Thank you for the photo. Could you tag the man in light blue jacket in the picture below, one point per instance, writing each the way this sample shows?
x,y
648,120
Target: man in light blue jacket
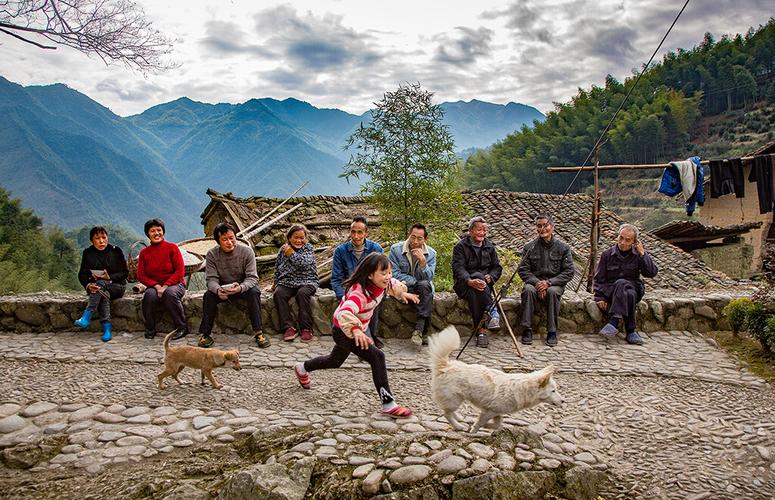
x,y
414,263
347,256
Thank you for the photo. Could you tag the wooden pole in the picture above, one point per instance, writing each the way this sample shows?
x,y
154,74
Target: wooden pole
x,y
261,219
645,166
595,232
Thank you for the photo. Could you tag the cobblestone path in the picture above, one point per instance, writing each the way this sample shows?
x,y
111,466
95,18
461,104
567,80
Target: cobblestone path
x,y
674,418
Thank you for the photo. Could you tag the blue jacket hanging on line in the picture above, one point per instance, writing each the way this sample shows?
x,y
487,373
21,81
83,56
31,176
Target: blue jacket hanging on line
x,y
671,183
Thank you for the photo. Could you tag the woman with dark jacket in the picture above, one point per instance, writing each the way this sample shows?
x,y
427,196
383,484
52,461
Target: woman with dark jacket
x,y
296,275
103,274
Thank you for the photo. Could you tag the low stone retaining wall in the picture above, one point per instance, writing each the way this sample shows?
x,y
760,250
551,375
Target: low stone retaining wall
x,y
47,312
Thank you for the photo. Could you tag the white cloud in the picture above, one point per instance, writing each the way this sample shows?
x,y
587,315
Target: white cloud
x,y
347,53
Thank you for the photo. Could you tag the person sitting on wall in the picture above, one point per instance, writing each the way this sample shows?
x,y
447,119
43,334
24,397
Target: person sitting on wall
x,y
296,274
161,269
230,272
546,267
618,286
475,269
347,256
103,274
414,263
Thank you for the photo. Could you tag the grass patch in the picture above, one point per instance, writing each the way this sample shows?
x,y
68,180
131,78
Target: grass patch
x,y
747,352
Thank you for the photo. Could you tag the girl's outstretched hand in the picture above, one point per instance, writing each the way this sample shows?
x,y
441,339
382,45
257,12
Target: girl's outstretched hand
x,y
361,339
410,297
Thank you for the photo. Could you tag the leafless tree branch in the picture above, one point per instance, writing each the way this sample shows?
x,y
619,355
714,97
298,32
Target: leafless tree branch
x,y
117,31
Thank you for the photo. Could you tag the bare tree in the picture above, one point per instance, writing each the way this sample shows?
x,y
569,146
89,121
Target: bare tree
x,y
115,30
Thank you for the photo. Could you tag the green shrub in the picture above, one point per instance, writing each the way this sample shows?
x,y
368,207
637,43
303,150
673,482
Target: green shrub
x,y
769,335
509,261
756,323
736,312
443,240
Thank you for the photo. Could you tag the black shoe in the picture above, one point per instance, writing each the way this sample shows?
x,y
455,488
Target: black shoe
x,y
482,341
527,336
149,334
378,343
205,341
180,333
551,339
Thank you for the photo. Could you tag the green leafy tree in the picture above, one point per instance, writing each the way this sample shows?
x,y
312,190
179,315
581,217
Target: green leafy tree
x,y
406,156
33,257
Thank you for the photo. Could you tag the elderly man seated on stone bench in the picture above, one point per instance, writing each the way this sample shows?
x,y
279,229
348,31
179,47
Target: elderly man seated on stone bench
x,y
618,285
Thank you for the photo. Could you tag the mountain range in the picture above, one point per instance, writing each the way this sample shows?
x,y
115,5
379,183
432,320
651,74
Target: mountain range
x,y
75,162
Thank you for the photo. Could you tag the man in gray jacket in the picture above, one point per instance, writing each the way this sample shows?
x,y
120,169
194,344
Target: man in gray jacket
x,y
231,274
546,267
414,263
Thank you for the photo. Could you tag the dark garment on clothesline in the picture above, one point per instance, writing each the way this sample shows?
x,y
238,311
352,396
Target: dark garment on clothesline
x,y
762,175
726,176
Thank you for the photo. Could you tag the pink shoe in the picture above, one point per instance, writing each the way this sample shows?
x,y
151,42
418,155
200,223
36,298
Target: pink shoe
x,y
306,335
304,380
290,334
399,411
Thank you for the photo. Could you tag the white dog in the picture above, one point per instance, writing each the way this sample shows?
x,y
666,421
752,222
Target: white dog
x,y
495,393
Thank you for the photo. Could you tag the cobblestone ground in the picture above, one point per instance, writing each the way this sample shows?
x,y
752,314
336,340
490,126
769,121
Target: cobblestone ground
x,y
674,418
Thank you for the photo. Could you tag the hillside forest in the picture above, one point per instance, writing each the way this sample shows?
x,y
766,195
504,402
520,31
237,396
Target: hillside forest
x,y
714,100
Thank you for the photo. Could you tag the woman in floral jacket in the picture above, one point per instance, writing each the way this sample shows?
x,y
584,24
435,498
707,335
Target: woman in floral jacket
x,y
296,275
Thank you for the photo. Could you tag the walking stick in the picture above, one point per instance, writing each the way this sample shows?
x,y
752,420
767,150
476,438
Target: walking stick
x,y
486,316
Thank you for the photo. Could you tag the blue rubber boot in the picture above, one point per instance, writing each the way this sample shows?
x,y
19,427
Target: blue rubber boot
x,y
107,331
84,321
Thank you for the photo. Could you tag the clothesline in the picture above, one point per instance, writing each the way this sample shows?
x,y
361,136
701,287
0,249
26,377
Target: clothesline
x,y
645,166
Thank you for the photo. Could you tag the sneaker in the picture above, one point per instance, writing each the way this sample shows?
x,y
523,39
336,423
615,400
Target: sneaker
x,y
424,339
306,335
205,341
398,411
289,334
634,339
261,340
304,379
527,336
149,334
551,339
417,337
180,333
609,330
481,340
495,320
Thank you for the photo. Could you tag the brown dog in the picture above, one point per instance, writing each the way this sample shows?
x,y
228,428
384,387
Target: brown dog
x,y
178,357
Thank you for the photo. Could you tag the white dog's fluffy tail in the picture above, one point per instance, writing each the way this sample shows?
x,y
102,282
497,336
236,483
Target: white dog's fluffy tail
x,y
440,345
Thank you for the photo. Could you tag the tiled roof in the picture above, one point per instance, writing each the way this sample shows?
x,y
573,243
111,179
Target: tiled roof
x,y
509,214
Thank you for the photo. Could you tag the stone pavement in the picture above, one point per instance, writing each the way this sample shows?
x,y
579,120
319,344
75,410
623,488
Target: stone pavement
x,y
674,418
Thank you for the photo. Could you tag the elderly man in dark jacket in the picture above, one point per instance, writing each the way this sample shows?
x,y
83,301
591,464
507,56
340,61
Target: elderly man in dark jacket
x,y
475,269
546,267
618,285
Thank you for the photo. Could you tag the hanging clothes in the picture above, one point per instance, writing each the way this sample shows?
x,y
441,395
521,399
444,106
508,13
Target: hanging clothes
x,y
726,177
685,177
698,196
762,175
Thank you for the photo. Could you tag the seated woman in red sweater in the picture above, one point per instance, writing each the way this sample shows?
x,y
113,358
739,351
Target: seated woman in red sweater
x,y
160,267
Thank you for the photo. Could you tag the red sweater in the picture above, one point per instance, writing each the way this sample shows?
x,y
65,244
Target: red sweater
x,y
160,264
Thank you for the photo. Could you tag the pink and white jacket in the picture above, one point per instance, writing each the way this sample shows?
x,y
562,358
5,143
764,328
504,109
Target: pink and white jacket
x,y
356,308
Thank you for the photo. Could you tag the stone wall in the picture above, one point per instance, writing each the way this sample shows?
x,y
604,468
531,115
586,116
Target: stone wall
x,y
659,311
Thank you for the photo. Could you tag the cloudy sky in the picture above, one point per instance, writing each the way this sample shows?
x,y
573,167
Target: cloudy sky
x,y
347,53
